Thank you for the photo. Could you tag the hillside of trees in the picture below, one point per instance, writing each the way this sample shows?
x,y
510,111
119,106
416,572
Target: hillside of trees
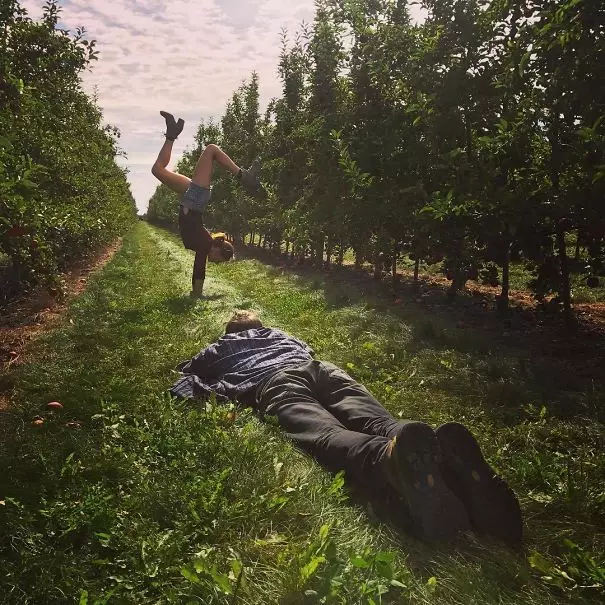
x,y
62,194
475,139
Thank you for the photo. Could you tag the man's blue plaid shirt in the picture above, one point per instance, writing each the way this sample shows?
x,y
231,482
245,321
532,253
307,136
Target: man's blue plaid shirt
x,y
238,363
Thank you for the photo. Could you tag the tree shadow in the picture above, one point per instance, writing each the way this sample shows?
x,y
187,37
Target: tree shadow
x,y
513,361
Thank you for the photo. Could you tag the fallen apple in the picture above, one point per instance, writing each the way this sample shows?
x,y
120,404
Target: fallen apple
x,y
54,405
16,231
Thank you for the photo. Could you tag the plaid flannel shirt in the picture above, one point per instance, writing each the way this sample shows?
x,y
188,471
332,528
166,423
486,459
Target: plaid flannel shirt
x,y
235,366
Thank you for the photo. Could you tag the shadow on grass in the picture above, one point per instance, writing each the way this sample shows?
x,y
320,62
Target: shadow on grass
x,y
509,365
184,304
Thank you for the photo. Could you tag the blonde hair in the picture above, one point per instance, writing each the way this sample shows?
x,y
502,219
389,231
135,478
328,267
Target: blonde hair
x,y
226,250
243,320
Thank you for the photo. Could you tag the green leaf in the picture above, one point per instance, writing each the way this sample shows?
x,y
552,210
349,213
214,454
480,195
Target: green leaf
x,y
84,597
540,562
324,531
337,484
359,562
236,566
387,556
200,566
190,575
222,581
384,569
308,570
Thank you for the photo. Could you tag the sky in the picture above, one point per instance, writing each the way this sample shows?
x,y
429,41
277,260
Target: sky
x,y
183,56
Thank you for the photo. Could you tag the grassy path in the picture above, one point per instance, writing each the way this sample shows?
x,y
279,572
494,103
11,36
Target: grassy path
x,y
146,500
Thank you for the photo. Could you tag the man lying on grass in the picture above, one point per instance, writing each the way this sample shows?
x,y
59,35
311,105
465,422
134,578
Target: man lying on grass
x,y
441,475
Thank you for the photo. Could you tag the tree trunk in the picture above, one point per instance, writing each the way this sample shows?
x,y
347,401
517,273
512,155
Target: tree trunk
x,y
287,252
341,255
329,246
555,172
394,265
377,266
565,291
319,251
358,256
416,268
502,301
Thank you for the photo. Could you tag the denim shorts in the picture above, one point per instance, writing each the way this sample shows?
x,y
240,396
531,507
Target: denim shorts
x,y
196,197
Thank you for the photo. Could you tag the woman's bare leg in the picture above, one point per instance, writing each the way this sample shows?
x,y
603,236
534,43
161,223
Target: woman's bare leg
x,y
177,182
202,175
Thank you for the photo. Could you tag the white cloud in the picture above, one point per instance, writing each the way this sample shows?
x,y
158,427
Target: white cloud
x,y
185,56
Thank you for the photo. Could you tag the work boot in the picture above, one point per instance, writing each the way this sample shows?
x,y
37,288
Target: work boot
x,y
173,129
197,288
250,178
491,505
412,467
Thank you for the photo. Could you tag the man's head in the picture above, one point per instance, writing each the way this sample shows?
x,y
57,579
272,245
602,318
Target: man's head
x,y
243,320
221,250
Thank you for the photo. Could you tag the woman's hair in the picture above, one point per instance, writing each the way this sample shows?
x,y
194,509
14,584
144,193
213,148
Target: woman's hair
x,y
243,320
224,247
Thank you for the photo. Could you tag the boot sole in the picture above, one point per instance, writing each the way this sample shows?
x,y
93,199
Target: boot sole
x,y
436,513
491,504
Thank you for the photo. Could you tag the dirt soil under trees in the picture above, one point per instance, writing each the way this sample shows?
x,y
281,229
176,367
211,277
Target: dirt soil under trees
x,y
536,332
24,318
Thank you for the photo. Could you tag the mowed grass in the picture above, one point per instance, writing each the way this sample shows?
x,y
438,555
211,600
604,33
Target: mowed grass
x,y
150,500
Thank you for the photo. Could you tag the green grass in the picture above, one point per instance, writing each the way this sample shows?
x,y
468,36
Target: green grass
x,y
152,500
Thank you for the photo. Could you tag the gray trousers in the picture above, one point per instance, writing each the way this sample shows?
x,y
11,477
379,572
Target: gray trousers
x,y
332,417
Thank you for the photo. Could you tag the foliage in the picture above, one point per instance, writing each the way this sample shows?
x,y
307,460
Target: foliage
x,y
478,135
61,192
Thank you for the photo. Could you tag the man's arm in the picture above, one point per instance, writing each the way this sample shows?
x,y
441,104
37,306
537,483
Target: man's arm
x,y
303,345
200,365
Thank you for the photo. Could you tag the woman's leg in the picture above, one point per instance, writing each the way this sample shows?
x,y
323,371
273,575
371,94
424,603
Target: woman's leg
x,y
248,177
177,182
202,175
